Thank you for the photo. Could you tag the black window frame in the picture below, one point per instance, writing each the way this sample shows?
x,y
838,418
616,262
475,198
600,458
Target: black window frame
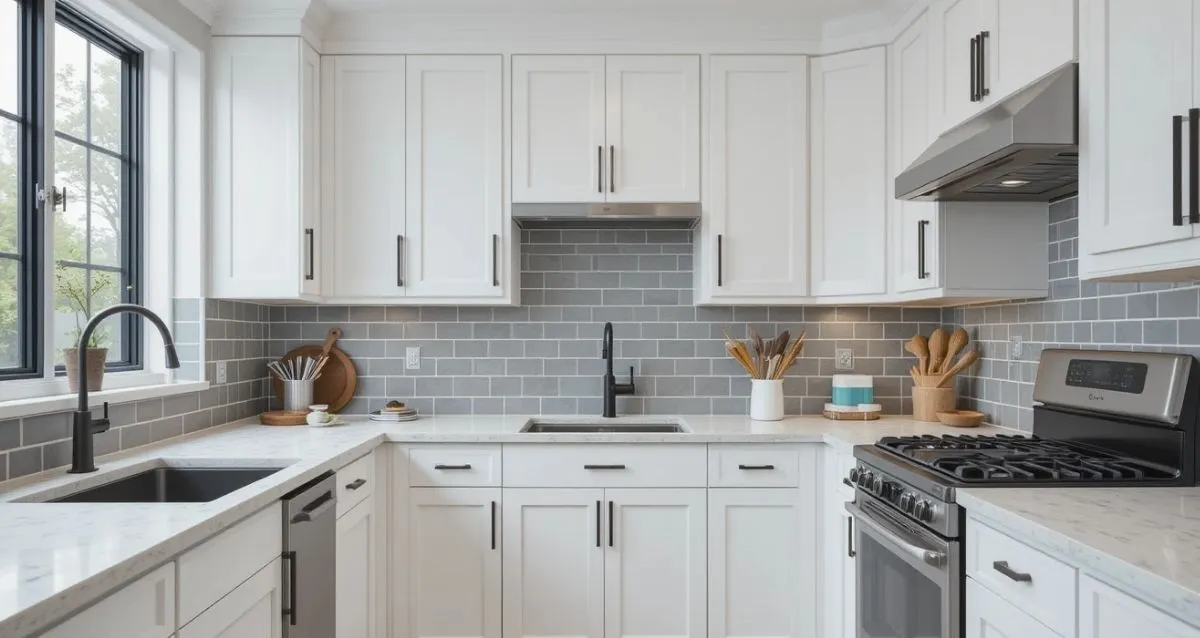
x,y
131,269
30,222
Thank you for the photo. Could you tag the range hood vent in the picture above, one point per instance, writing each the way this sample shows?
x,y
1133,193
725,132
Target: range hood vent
x,y
641,216
1024,149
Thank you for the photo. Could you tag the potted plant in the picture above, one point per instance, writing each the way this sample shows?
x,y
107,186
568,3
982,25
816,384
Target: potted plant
x,y
75,294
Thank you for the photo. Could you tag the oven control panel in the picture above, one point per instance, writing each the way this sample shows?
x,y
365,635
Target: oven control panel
x,y
895,493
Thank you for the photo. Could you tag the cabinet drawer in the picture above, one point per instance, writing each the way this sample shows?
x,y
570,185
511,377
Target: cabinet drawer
x,y
603,465
454,466
216,567
355,482
752,466
1031,580
144,608
989,615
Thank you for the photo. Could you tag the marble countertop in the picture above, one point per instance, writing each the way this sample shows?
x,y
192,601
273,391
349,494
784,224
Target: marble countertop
x,y
56,558
1143,540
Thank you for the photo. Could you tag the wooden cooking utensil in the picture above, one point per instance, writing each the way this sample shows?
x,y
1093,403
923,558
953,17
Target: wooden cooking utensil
x,y
958,340
789,357
919,346
938,341
339,378
964,362
738,352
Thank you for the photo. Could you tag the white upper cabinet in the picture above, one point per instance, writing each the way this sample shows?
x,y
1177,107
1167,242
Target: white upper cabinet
x,y
914,224
606,128
954,24
265,222
558,152
757,179
1136,196
849,173
456,229
364,174
653,128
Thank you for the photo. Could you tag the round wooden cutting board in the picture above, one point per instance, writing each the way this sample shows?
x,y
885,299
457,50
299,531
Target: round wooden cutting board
x,y
335,387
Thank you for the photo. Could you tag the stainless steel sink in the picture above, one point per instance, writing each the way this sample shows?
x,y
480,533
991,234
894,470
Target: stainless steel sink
x,y
171,485
600,427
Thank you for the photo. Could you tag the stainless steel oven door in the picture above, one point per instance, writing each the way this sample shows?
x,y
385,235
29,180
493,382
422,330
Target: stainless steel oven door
x,y
909,580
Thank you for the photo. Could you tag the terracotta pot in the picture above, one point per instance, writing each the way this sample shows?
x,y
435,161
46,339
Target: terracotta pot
x,y
96,357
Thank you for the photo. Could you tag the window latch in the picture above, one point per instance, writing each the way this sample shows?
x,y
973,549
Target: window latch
x,y
60,197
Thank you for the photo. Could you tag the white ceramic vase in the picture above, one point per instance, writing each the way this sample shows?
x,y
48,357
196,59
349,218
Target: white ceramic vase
x,y
766,399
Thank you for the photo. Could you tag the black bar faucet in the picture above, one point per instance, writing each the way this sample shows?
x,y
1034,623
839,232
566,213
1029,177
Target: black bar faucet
x,y
611,387
83,452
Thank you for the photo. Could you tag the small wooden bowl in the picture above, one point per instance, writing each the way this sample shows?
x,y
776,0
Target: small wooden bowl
x,y
960,418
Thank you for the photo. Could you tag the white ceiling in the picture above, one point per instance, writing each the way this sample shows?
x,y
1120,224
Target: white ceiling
x,y
821,11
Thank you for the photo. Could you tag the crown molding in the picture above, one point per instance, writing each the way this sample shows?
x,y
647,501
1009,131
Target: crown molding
x,y
203,9
305,18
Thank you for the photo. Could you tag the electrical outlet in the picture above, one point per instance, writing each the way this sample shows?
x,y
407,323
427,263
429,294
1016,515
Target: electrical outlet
x,y
843,359
222,372
412,358
1017,347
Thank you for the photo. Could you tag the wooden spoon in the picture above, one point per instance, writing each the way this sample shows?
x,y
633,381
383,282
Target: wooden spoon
x,y
958,340
937,350
919,346
964,362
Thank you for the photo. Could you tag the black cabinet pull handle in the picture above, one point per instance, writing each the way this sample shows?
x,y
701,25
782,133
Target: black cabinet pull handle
x,y
400,260
308,234
599,526
974,69
465,466
612,169
493,524
755,467
1002,567
618,466
1177,168
355,484
1194,165
984,91
720,260
290,610
495,260
611,542
850,553
921,226
600,169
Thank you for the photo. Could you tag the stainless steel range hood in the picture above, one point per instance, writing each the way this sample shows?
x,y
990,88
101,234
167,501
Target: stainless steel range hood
x,y
606,215
1024,149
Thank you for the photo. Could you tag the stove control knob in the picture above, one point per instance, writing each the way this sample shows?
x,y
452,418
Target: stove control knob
x,y
854,472
906,502
923,511
864,478
890,490
877,485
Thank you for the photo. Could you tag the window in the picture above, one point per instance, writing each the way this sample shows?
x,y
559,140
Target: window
x,y
92,224
97,213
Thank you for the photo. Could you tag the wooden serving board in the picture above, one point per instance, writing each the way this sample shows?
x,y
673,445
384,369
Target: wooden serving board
x,y
335,387
283,417
851,416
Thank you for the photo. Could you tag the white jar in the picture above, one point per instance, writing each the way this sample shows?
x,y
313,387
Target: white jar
x,y
766,399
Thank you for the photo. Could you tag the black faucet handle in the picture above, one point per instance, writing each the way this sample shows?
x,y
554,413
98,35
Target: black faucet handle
x,y
101,424
630,376
106,410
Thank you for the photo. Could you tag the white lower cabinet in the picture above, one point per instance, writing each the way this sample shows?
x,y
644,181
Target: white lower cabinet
x,y
253,610
1105,612
838,591
142,609
453,564
761,561
358,559
990,616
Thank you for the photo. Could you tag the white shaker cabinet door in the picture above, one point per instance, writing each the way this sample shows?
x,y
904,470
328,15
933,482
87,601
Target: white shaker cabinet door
x,y
655,564
653,128
1024,41
758,178
761,563
953,24
990,616
1137,71
253,610
553,556
358,559
849,173
363,109
558,148
454,563
455,230
1105,612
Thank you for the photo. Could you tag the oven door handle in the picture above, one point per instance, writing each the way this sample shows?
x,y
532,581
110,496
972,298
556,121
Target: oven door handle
x,y
927,556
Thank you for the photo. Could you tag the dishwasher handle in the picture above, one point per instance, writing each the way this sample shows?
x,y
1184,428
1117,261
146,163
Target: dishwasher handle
x,y
315,509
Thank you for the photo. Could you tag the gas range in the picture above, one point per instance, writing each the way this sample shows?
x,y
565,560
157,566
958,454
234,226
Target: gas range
x,y
1101,419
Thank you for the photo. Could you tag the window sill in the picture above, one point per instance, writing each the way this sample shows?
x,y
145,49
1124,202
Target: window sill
x,y
121,388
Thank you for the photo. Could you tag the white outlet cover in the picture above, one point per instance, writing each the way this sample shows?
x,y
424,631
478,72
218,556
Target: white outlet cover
x,y
843,359
1018,346
222,372
412,358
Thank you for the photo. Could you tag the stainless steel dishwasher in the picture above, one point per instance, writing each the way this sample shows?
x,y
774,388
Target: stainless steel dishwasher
x,y
309,559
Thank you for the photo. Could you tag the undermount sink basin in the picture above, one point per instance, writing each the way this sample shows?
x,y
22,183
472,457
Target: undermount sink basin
x,y
171,485
549,426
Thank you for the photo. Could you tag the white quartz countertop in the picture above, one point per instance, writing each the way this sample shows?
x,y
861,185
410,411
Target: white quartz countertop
x,y
1145,541
56,558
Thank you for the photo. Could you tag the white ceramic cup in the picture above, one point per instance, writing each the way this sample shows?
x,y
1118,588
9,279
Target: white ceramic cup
x,y
766,399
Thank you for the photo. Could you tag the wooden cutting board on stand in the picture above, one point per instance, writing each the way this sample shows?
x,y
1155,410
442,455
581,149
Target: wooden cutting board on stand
x,y
335,387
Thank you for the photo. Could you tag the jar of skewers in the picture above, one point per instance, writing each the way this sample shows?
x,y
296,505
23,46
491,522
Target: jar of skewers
x,y
766,361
